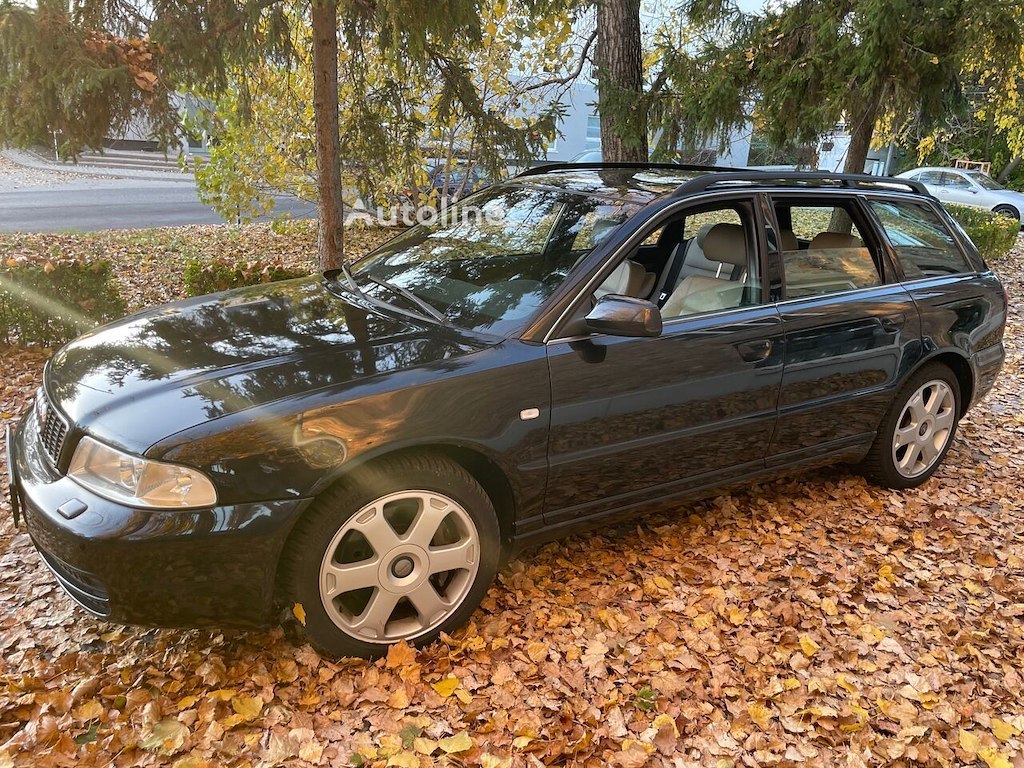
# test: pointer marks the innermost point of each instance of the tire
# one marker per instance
(366, 562)
(924, 428)
(1007, 210)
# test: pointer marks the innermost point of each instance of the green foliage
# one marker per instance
(52, 300)
(64, 78)
(993, 234)
(799, 69)
(483, 104)
(202, 277)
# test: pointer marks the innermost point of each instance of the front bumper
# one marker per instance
(163, 568)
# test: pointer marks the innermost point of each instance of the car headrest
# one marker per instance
(726, 243)
(788, 240)
(827, 240)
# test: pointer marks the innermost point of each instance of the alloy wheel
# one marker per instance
(400, 566)
(924, 428)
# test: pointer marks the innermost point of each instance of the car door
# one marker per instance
(958, 188)
(848, 326)
(638, 418)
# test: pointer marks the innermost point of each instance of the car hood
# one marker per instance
(153, 374)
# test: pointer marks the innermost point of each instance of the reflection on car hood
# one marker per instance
(153, 374)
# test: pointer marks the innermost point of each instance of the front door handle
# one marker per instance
(754, 351)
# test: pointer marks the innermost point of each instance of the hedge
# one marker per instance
(51, 300)
(992, 233)
(202, 277)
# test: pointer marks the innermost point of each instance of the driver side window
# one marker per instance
(712, 262)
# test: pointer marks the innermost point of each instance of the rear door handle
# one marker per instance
(754, 351)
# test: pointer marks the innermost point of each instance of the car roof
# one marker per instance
(645, 182)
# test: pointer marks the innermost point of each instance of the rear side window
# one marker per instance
(923, 244)
(823, 251)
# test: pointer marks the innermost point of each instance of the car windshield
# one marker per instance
(986, 181)
(489, 262)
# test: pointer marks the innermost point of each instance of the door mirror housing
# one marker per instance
(625, 316)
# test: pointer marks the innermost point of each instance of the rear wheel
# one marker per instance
(1007, 210)
(404, 550)
(918, 431)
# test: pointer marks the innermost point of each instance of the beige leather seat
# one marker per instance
(627, 279)
(788, 240)
(824, 241)
(725, 243)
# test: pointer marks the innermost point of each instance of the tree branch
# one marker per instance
(566, 79)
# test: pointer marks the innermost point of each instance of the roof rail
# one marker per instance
(772, 178)
(597, 166)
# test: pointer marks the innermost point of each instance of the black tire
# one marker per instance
(1007, 210)
(336, 508)
(880, 465)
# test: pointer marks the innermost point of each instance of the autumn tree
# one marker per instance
(395, 121)
(798, 69)
(87, 88)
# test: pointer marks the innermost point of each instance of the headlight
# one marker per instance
(139, 482)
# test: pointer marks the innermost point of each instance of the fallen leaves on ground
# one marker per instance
(809, 620)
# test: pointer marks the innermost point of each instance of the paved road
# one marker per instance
(92, 204)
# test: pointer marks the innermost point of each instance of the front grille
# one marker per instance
(51, 426)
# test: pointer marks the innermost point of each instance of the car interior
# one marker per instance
(705, 261)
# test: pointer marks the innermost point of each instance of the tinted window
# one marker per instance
(986, 181)
(823, 251)
(923, 244)
(955, 180)
(929, 177)
(494, 258)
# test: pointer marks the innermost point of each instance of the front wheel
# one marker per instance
(918, 431)
(403, 550)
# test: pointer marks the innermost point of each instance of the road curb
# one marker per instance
(29, 159)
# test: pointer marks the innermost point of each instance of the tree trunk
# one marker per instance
(863, 127)
(620, 81)
(330, 206)
(1007, 172)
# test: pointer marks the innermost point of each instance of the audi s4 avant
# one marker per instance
(371, 442)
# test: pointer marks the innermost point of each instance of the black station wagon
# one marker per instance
(371, 442)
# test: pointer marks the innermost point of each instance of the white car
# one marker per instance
(966, 187)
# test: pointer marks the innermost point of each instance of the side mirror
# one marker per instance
(625, 316)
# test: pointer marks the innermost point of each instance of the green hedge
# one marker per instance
(202, 277)
(50, 301)
(993, 234)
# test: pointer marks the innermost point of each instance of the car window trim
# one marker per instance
(634, 239)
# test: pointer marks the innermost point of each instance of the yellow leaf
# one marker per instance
(760, 714)
(969, 742)
(808, 646)
(521, 742)
(737, 615)
(885, 573)
(934, 59)
(222, 694)
(299, 613)
(187, 702)
(403, 760)
(662, 583)
(487, 760)
(400, 655)
(399, 699)
(460, 742)
(1003, 730)
(248, 707)
(994, 758)
(918, 538)
(703, 621)
(48, 267)
(446, 687)
(90, 710)
(424, 745)
(537, 651)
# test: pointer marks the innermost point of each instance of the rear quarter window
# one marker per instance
(923, 244)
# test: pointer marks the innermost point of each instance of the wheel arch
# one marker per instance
(958, 363)
(487, 472)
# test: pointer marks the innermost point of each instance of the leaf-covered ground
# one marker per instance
(814, 620)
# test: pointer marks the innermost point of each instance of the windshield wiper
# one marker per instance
(412, 297)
